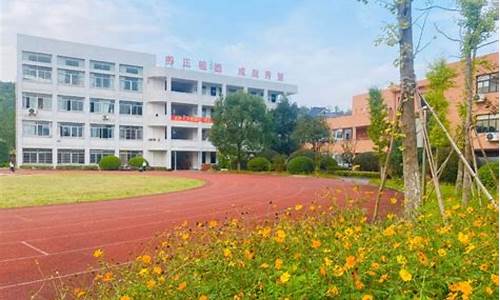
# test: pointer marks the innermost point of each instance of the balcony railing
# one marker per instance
(192, 119)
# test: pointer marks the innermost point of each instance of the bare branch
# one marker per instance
(438, 7)
(445, 35)
(486, 44)
(422, 28)
(417, 51)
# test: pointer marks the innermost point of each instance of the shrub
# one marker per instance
(77, 167)
(328, 164)
(259, 164)
(485, 174)
(279, 163)
(363, 174)
(137, 161)
(367, 161)
(307, 153)
(300, 165)
(268, 154)
(110, 162)
(449, 173)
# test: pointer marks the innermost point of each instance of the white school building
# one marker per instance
(76, 103)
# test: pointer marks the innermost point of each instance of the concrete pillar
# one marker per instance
(169, 160)
(199, 88)
(199, 160)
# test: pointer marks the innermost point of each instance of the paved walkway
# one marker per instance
(37, 243)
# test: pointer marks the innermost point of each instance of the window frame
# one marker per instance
(73, 101)
(45, 104)
(39, 128)
(492, 81)
(74, 130)
(97, 131)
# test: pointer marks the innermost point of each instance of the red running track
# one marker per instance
(57, 241)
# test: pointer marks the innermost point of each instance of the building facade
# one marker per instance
(350, 133)
(76, 103)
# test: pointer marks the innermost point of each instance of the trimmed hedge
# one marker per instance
(136, 162)
(328, 164)
(110, 162)
(279, 163)
(259, 164)
(38, 167)
(77, 167)
(364, 174)
(307, 153)
(367, 161)
(485, 175)
(300, 165)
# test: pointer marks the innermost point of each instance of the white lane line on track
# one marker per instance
(34, 248)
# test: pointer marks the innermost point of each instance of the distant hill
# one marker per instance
(7, 119)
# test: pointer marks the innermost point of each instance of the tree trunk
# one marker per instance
(467, 181)
(408, 128)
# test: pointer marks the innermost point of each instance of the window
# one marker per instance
(204, 134)
(38, 73)
(487, 83)
(131, 69)
(130, 84)
(126, 155)
(97, 154)
(38, 101)
(67, 103)
(69, 77)
(71, 130)
(37, 128)
(37, 57)
(70, 62)
(337, 134)
(101, 131)
(131, 132)
(131, 108)
(101, 81)
(102, 66)
(37, 156)
(487, 123)
(70, 156)
(347, 134)
(102, 106)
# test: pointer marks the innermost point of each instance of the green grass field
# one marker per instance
(31, 190)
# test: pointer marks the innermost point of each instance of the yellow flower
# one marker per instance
(367, 297)
(393, 200)
(463, 238)
(284, 277)
(125, 297)
(79, 292)
(350, 261)
(338, 271)
(157, 270)
(375, 265)
(143, 272)
(265, 232)
(333, 291)
(298, 207)
(98, 253)
(203, 297)
(146, 259)
(463, 286)
(401, 259)
(484, 267)
(182, 286)
(248, 254)
(280, 236)
(151, 283)
(389, 231)
(328, 262)
(322, 271)
(212, 223)
(315, 244)
(405, 275)
(442, 252)
(185, 236)
(423, 258)
(264, 266)
(494, 279)
(383, 278)
(488, 290)
(227, 252)
(278, 263)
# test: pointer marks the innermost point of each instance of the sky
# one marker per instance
(326, 47)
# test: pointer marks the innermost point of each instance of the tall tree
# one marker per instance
(7, 119)
(284, 118)
(477, 24)
(313, 131)
(378, 131)
(241, 125)
(441, 77)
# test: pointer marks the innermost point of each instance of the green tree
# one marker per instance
(441, 77)
(313, 131)
(241, 125)
(7, 116)
(378, 131)
(284, 118)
